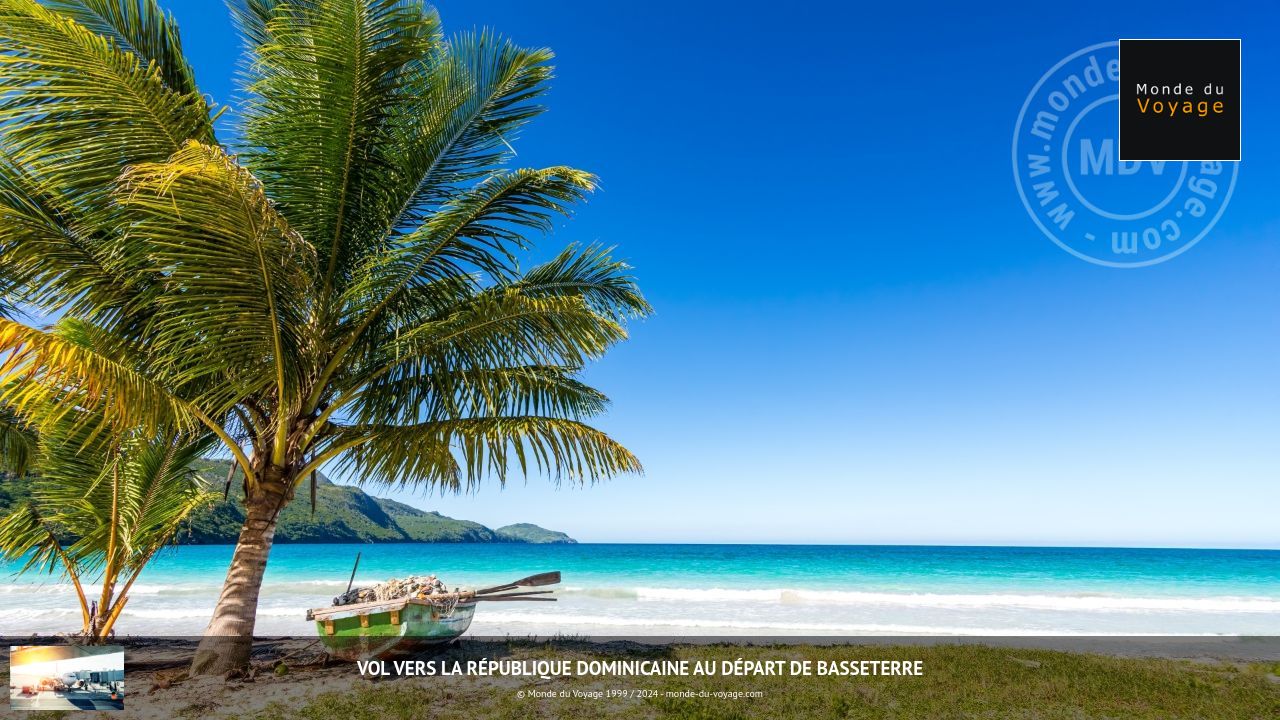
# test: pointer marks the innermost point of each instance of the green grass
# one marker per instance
(960, 681)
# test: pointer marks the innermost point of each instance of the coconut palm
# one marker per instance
(342, 284)
(17, 442)
(102, 506)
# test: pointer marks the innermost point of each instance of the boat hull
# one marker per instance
(391, 629)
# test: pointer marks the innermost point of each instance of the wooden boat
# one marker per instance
(404, 626)
(396, 627)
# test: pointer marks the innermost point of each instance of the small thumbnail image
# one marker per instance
(66, 677)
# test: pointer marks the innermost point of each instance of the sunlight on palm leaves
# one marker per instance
(17, 442)
(101, 508)
(343, 285)
(17, 438)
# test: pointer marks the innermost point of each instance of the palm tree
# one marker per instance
(340, 285)
(102, 507)
(102, 504)
(16, 442)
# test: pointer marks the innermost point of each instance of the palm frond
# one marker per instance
(27, 538)
(134, 486)
(473, 102)
(206, 224)
(356, 265)
(154, 485)
(17, 442)
(494, 329)
(51, 374)
(251, 18)
(446, 393)
(45, 258)
(424, 454)
(75, 108)
(140, 27)
(476, 231)
(592, 274)
(324, 80)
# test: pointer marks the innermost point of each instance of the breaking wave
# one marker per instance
(540, 622)
(1075, 603)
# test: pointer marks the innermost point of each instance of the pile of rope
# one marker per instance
(414, 586)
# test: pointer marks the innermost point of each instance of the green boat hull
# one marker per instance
(392, 629)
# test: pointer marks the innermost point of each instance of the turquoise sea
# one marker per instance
(727, 589)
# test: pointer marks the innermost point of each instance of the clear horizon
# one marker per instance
(1224, 548)
(860, 337)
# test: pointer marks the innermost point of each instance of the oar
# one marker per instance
(353, 572)
(514, 598)
(547, 578)
(515, 594)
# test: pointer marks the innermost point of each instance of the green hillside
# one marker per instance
(530, 533)
(342, 514)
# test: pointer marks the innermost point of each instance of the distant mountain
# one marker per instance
(530, 533)
(343, 514)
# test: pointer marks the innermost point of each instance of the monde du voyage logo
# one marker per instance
(1172, 181)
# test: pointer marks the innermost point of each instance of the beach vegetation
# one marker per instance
(99, 509)
(17, 442)
(17, 439)
(333, 273)
(961, 680)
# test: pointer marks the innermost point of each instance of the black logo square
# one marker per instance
(1179, 100)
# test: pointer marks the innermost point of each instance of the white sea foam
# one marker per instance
(28, 588)
(170, 613)
(206, 612)
(1077, 603)
(709, 625)
(313, 591)
(67, 589)
(29, 613)
(298, 612)
(182, 605)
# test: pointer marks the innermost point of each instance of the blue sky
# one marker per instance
(861, 337)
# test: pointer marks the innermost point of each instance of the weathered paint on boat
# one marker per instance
(399, 627)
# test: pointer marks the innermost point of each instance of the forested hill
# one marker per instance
(343, 514)
(346, 514)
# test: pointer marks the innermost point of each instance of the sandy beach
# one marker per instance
(295, 673)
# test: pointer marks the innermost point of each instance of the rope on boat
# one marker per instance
(413, 586)
(447, 605)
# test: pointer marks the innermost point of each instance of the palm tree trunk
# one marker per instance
(229, 637)
(123, 597)
(75, 581)
(110, 571)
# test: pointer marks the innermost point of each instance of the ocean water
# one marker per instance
(726, 589)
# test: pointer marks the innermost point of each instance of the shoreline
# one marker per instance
(730, 591)
(160, 652)
(745, 544)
